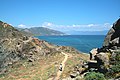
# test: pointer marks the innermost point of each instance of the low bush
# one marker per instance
(94, 76)
(114, 70)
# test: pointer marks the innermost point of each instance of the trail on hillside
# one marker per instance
(63, 65)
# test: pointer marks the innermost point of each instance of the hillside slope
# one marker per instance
(15, 46)
(27, 58)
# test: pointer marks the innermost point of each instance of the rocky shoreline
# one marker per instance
(105, 60)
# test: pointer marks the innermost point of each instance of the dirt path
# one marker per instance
(63, 65)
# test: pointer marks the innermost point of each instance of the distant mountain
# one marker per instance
(25, 31)
(37, 31)
(87, 32)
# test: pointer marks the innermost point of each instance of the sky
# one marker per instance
(63, 15)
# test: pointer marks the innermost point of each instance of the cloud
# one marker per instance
(47, 24)
(78, 27)
(22, 26)
(11, 24)
(91, 25)
(73, 27)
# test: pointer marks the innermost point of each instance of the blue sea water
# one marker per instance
(83, 43)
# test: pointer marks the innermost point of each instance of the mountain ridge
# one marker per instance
(41, 31)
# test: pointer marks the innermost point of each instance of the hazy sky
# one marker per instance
(61, 14)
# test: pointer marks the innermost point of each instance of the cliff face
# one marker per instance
(112, 39)
(108, 57)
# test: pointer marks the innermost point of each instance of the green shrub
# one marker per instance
(115, 66)
(117, 57)
(115, 69)
(94, 76)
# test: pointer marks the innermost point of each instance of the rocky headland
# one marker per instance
(104, 62)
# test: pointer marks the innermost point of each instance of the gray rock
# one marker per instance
(104, 57)
(112, 38)
(103, 62)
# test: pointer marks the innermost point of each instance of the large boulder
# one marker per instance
(112, 39)
(100, 62)
(103, 58)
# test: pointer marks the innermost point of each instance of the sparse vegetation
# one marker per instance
(72, 61)
(94, 76)
(115, 66)
(39, 70)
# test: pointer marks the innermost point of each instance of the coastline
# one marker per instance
(83, 43)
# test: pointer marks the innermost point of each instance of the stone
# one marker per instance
(103, 61)
(74, 75)
(93, 52)
(92, 64)
(103, 57)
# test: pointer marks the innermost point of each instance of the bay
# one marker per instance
(83, 43)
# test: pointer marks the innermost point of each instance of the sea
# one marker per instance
(83, 43)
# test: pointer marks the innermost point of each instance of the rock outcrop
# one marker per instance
(112, 40)
(107, 61)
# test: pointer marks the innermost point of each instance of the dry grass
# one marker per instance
(43, 69)
(71, 62)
